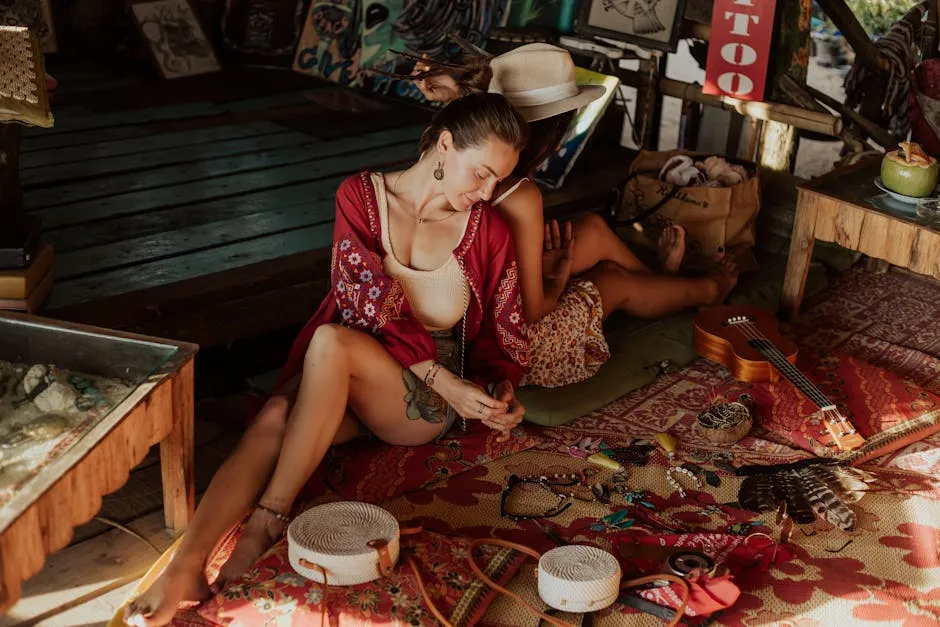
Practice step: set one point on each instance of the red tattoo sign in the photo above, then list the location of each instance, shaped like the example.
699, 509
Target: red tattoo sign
739, 48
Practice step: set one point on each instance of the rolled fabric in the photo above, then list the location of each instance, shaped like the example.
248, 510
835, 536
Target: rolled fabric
680, 170
717, 169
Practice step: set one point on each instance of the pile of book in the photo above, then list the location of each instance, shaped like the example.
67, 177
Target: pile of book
26, 268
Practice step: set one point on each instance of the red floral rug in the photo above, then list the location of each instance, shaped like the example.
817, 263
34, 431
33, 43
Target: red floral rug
886, 571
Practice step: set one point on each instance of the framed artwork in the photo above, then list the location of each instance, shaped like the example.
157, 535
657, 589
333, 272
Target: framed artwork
553, 170
646, 23
330, 44
176, 39
266, 27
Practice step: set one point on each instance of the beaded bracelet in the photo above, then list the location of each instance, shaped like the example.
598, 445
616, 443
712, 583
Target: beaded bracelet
432, 372
674, 483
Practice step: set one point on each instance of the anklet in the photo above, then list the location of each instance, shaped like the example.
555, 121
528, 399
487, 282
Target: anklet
278, 515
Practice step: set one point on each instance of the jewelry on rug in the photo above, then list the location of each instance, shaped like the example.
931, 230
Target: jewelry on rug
615, 521
674, 483
588, 445
637, 454
841, 548
710, 477
605, 461
668, 443
601, 493
785, 522
725, 423
551, 484
636, 497
760, 534
720, 460
687, 563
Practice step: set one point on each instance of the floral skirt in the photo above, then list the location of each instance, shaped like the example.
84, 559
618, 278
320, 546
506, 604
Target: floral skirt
568, 345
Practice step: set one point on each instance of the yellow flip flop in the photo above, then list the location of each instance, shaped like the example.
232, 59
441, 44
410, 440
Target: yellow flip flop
146, 581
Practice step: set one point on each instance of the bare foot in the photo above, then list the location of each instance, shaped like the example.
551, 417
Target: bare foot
182, 581
260, 532
671, 249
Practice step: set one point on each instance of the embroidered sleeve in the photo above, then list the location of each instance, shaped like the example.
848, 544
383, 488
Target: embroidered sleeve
367, 298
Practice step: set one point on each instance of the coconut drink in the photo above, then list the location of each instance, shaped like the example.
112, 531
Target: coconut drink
909, 171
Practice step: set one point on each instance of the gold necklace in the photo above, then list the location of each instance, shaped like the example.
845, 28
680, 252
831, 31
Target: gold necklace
416, 218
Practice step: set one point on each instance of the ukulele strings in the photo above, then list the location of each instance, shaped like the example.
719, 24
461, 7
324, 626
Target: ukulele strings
833, 416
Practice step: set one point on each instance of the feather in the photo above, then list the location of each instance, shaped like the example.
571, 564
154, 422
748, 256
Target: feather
756, 494
811, 488
743, 471
825, 502
858, 473
848, 487
788, 487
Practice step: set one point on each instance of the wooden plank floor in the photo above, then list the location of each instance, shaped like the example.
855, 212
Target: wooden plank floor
177, 206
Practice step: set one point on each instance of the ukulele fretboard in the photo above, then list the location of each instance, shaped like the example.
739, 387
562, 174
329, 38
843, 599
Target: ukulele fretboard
779, 361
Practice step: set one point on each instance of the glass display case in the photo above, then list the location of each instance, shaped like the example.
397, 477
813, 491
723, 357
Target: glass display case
56, 384
80, 407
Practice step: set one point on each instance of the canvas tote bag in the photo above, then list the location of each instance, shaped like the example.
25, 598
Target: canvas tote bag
714, 218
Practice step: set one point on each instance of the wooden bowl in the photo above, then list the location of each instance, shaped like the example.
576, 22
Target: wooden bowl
726, 435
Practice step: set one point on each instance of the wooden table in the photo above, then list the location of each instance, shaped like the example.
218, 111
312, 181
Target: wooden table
845, 207
41, 515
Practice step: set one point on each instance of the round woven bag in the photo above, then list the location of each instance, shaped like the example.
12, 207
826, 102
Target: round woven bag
578, 578
353, 542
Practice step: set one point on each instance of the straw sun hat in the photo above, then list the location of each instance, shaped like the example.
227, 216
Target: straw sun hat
538, 80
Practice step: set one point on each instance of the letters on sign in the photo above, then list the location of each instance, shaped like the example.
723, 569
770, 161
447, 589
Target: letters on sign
739, 48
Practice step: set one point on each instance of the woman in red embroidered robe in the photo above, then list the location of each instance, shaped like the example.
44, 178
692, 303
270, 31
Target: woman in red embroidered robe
423, 274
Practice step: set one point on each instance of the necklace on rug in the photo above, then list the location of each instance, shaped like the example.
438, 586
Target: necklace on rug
418, 219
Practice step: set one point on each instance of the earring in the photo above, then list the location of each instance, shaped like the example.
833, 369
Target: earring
439, 172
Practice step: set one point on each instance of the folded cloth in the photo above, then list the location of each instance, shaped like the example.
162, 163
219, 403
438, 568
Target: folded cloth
712, 172
717, 169
680, 170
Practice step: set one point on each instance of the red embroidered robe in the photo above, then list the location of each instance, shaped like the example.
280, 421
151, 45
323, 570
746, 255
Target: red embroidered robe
364, 297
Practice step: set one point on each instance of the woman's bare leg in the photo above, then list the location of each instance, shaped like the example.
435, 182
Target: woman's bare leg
596, 242
232, 492
654, 296
361, 374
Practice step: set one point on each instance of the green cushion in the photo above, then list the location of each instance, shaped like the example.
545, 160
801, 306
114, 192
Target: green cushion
638, 347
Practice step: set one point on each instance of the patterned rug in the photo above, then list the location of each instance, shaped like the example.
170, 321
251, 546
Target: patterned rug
887, 570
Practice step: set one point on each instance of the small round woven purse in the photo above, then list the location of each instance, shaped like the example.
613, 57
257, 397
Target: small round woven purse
344, 543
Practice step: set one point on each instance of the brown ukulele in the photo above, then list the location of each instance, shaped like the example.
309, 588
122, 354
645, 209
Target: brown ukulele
747, 341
